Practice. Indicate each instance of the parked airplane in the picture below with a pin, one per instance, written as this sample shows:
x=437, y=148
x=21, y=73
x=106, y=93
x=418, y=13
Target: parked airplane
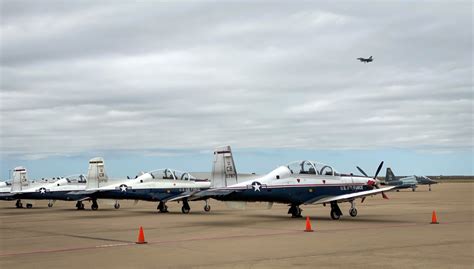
x=61, y=188
x=365, y=60
x=407, y=182
x=19, y=181
x=402, y=183
x=424, y=180
x=162, y=185
x=52, y=190
x=298, y=183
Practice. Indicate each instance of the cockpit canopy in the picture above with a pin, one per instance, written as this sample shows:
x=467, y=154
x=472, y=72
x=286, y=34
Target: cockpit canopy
x=78, y=178
x=311, y=168
x=171, y=174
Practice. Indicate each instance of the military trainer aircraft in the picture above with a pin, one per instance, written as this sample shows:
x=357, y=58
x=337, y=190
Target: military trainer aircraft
x=298, y=183
x=162, y=185
x=406, y=182
x=365, y=60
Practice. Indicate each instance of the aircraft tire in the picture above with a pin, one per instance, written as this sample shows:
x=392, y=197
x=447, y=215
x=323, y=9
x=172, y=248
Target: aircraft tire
x=353, y=212
x=413, y=189
x=29, y=205
x=94, y=207
x=185, y=209
x=116, y=205
x=334, y=215
x=207, y=208
x=50, y=205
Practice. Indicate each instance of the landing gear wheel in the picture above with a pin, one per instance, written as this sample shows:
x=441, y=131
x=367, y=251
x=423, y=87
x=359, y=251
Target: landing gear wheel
x=335, y=215
x=79, y=205
x=94, y=205
x=29, y=205
x=207, y=208
x=295, y=211
x=336, y=212
x=413, y=189
x=162, y=207
x=185, y=210
x=353, y=212
x=50, y=204
x=116, y=205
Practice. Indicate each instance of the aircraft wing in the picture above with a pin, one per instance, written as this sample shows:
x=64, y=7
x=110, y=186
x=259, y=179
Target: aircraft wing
x=180, y=196
x=214, y=192
x=348, y=197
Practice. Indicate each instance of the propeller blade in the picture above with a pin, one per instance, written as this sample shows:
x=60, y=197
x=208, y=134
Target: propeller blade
x=362, y=171
x=378, y=170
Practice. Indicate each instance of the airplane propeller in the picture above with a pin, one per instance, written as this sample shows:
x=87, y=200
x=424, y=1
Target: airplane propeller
x=376, y=184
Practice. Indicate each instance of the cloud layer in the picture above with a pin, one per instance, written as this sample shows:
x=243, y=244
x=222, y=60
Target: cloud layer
x=157, y=76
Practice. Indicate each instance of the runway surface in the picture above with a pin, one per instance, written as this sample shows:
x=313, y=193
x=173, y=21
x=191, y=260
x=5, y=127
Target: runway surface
x=393, y=233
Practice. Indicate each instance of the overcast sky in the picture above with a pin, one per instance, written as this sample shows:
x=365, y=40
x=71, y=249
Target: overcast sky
x=175, y=79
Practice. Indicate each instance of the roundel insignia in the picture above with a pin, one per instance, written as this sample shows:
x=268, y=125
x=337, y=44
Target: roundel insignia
x=123, y=188
x=42, y=190
x=256, y=186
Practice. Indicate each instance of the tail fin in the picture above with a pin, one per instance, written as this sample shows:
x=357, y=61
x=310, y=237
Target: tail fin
x=370, y=57
x=96, y=174
x=223, y=169
x=20, y=178
x=389, y=175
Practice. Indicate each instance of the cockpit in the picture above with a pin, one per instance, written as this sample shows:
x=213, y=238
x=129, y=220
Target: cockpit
x=170, y=174
x=311, y=168
x=78, y=178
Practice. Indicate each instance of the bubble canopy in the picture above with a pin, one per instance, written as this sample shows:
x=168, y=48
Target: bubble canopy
x=171, y=174
x=310, y=168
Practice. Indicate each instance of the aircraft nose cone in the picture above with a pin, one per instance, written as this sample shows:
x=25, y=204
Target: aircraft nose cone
x=372, y=182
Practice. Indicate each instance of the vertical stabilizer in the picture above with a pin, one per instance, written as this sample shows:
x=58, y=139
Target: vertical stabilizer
x=96, y=174
x=223, y=168
x=20, y=178
x=389, y=175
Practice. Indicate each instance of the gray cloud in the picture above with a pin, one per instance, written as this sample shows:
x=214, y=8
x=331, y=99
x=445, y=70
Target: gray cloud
x=175, y=75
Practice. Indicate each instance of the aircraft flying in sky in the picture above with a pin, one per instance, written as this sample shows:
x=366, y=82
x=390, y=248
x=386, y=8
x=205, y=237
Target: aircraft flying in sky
x=365, y=60
x=298, y=183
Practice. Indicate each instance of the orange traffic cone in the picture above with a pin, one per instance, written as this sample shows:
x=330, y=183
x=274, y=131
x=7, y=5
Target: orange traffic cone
x=141, y=237
x=434, y=220
x=308, y=225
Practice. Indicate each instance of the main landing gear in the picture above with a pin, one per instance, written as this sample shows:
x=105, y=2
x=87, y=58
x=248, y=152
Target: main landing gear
x=51, y=203
x=162, y=207
x=295, y=211
x=185, y=208
x=79, y=205
x=94, y=205
x=336, y=212
x=117, y=205
x=207, y=207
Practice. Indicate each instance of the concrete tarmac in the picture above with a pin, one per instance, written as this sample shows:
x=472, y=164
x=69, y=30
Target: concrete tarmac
x=393, y=233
